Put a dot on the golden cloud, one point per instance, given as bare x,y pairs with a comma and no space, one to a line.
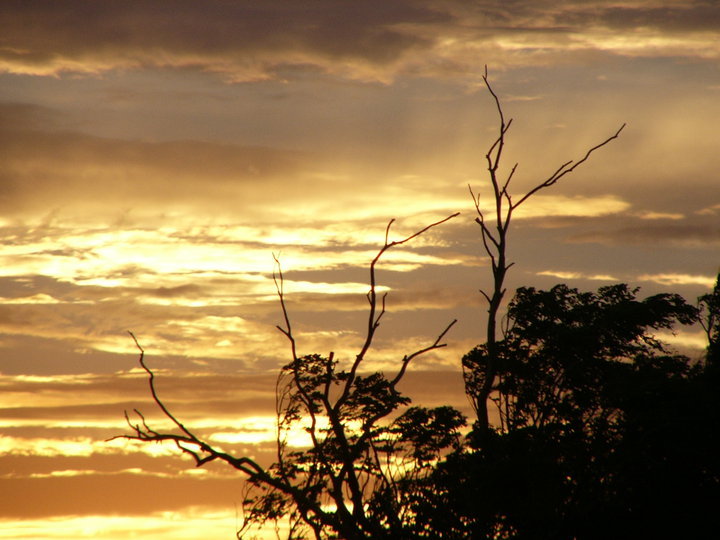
679,279
576,275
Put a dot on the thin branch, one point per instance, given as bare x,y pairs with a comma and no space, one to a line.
495,246
373,321
562,170
153,391
406,360
279,282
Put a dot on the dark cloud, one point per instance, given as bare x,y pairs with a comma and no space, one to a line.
183,291
575,16
277,39
183,158
23,465
191,399
692,16
27,116
131,494
142,32
48,170
653,234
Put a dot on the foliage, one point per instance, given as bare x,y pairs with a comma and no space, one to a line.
564,346
362,469
710,309
603,432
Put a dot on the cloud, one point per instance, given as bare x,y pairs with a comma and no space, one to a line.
576,275
72,170
679,279
695,234
51,177
243,40
554,206
710,210
191,247
27,116
182,291
132,495
372,40
648,214
694,16
215,522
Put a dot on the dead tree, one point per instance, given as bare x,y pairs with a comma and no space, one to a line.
480,378
366,453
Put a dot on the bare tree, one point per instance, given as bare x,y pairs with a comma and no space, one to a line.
364,459
480,379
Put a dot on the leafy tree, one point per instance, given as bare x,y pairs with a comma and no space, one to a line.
604,433
563,346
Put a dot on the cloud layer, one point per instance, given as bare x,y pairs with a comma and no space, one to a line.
155,156
246,41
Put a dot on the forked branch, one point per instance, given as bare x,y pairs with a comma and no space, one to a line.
494,241
373,319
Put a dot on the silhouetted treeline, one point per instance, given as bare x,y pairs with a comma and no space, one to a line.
601,431
605,433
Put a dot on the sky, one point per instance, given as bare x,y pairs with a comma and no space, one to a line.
156,156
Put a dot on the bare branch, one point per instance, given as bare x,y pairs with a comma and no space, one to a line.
387,230
415,235
279,282
373,321
564,169
509,178
485,295
153,391
406,360
495,245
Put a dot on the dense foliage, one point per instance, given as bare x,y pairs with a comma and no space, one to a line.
602,432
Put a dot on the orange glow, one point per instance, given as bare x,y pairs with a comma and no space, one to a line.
576,275
182,524
154,161
679,279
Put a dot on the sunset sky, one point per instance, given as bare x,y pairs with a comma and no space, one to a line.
155,155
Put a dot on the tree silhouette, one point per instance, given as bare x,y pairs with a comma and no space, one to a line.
368,449
480,378
605,433
710,309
